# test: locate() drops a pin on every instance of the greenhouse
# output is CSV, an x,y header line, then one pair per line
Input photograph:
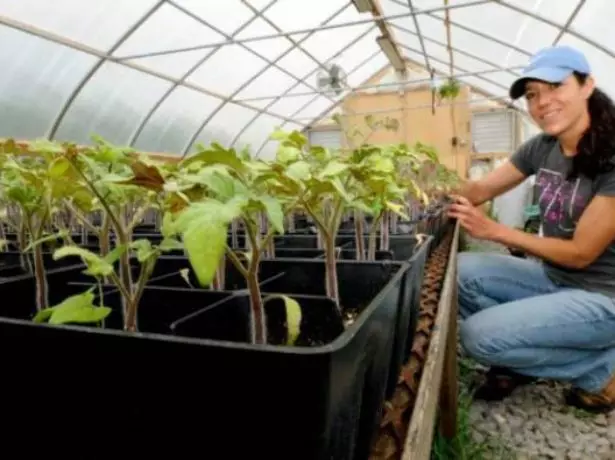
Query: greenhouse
x,y
285,220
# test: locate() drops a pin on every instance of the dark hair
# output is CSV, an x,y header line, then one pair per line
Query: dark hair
x,y
596,148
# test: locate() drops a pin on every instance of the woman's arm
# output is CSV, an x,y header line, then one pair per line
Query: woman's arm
x,y
595,231
496,182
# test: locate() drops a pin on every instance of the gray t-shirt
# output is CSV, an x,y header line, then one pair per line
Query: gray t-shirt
x,y
561,204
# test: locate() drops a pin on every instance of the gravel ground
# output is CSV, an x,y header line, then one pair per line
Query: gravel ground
x,y
535,423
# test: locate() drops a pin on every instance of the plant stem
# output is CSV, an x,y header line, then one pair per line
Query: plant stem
x,y
130,322
234,236
331,272
258,330
358,235
23,243
236,262
42,300
371,249
384,231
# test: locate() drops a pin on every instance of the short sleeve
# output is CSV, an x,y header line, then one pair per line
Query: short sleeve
x,y
527,156
605,184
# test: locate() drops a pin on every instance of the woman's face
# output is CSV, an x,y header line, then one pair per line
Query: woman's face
x,y
557,107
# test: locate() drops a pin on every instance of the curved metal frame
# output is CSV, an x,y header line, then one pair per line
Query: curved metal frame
x,y
137,132
310,74
103,57
55,125
202,126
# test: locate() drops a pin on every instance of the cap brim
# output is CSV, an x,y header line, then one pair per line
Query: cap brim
x,y
546,74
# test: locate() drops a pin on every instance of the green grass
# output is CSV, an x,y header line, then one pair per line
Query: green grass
x,y
464,446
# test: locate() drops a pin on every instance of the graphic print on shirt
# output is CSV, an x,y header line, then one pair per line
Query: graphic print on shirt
x,y
562,202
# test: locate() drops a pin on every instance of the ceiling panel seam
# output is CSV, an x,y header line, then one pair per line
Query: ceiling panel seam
x,y
351,89
340,99
570,30
319,94
372,19
207,119
473,30
294,43
61,40
55,125
420,35
461,51
568,24
270,63
199,63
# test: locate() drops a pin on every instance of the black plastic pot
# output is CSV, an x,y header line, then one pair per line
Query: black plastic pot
x,y
20,291
375,291
403,248
307,241
159,306
167,272
307,402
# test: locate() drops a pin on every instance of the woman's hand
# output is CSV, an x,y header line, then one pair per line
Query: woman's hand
x,y
472,219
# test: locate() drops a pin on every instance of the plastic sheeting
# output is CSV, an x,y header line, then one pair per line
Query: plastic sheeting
x,y
163,75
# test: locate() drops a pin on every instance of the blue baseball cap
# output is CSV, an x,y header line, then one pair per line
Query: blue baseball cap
x,y
552,65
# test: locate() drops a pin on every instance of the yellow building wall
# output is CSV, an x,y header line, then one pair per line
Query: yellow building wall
x,y
416,122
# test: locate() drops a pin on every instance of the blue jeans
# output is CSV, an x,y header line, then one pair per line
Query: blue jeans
x,y
514,316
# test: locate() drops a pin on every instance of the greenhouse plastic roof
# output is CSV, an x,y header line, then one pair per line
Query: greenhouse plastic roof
x,y
162,75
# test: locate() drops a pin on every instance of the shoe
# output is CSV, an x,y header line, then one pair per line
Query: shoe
x,y
499,383
597,403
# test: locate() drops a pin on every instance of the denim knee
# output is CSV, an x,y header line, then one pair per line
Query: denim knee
x,y
475,340
468,266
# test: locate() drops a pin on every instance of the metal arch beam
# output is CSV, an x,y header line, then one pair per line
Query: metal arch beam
x,y
88,76
328,109
137,132
568,24
258,13
200,128
340,100
569,30
293,42
60,40
260,112
373,19
428,106
474,31
457,68
352,89
460,51
420,35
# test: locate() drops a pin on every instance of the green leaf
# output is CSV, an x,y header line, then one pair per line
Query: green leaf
x,y
298,139
278,135
339,187
274,211
170,244
144,249
96,265
205,243
115,254
298,171
59,167
168,225
216,155
333,168
209,211
76,309
293,317
288,154
217,179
